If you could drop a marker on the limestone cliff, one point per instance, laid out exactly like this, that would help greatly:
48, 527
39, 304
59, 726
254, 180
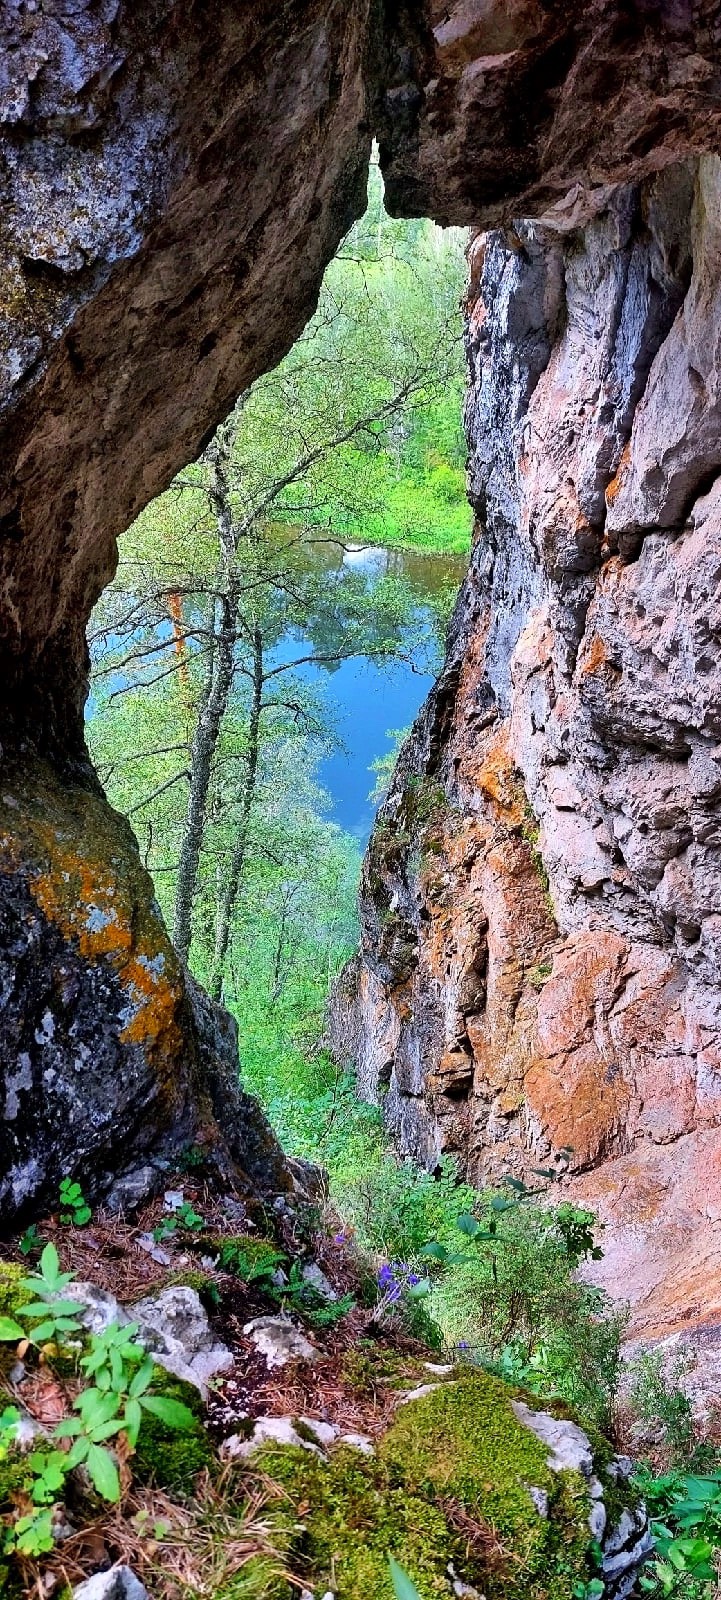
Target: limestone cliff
541, 899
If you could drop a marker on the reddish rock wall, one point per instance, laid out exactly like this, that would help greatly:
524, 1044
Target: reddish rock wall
540, 963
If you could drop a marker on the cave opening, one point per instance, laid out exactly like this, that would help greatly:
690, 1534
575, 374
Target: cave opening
533, 1006
276, 620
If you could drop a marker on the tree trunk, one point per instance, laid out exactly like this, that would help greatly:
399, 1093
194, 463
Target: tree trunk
216, 693
226, 905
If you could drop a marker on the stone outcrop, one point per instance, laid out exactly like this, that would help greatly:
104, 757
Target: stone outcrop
540, 960
174, 180
112, 1059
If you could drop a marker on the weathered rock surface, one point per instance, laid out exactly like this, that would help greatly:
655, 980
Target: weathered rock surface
172, 1324
109, 1051
540, 953
279, 1341
173, 185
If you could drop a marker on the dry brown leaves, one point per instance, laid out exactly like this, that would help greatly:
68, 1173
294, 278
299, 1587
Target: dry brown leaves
176, 1550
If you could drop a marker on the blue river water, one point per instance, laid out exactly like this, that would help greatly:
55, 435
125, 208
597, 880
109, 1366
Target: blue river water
370, 700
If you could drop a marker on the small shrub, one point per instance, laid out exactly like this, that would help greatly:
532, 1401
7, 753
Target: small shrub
74, 1208
249, 1258
657, 1397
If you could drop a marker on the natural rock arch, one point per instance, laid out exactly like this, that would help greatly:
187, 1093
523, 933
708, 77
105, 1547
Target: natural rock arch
176, 179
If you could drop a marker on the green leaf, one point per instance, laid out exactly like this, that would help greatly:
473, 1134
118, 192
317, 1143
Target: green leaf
68, 1428
468, 1225
79, 1451
435, 1251
50, 1263
143, 1377
58, 1308
418, 1291
133, 1419
44, 1331
106, 1430
103, 1473
97, 1408
172, 1412
10, 1331
403, 1588
701, 1488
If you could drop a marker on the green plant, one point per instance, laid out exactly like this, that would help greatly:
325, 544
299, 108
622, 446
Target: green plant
9, 1419
657, 1396
685, 1511
253, 1260
331, 1312
184, 1216
30, 1241
115, 1403
49, 1470
110, 1356
31, 1535
74, 1207
55, 1318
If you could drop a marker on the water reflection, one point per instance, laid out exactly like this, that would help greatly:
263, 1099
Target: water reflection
369, 698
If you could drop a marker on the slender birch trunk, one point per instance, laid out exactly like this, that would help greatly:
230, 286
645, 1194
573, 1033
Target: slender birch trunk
226, 905
214, 699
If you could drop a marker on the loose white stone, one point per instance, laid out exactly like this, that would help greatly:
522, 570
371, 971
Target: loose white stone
279, 1341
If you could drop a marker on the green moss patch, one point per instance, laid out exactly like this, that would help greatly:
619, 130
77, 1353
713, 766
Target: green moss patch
164, 1456
248, 1257
12, 1295
451, 1483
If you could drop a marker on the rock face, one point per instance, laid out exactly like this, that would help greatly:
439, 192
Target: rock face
540, 960
174, 181
110, 1054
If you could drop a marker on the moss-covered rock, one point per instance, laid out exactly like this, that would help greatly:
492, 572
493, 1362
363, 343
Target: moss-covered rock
12, 1299
14, 1479
246, 1255
204, 1285
165, 1456
12, 1295
451, 1482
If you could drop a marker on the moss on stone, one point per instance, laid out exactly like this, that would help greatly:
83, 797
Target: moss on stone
451, 1482
164, 1455
204, 1285
463, 1442
247, 1255
14, 1480
12, 1295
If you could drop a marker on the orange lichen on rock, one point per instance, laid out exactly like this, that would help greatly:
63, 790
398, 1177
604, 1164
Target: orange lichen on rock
84, 875
497, 778
593, 656
615, 486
